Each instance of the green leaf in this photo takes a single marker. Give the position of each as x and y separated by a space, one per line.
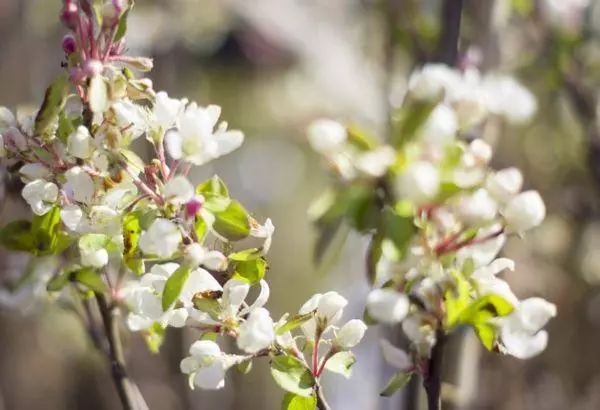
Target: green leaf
213 187
374 253
134 160
58 282
341 363
292 376
122 26
523 7
399 229
154 337
245 366
16 236
174 285
398 381
246 255
65 127
409 120
201 228
457 300
131 233
294 322
91 279
55 99
251 271
292 401
233 223
361 139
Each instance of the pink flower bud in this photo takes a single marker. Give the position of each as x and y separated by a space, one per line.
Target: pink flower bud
69 44
92 68
194 206
69 15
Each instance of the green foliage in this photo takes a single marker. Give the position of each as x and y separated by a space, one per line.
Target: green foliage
399 229
361 139
295 402
233 223
246 255
88 277
122 26
341 363
66 126
200 228
374 253
292 376
409 120
294 321
174 285
398 381
154 337
17 236
213 187
251 271
131 237
55 99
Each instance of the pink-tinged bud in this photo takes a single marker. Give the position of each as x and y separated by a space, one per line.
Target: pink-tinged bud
69 15
69 44
86 6
76 76
92 68
194 206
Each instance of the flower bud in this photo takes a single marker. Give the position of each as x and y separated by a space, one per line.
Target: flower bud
481 151
111 12
477 207
331 306
430 82
387 305
193 206
525 211
79 143
326 136
350 334
93 68
419 183
69 45
504 184
69 15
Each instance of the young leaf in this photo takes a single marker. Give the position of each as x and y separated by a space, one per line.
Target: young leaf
16 236
291 375
251 271
374 253
246 255
245 366
174 285
341 363
233 223
54 102
91 279
398 381
131 233
59 281
294 322
65 127
122 26
213 187
292 401
201 228
361 140
399 229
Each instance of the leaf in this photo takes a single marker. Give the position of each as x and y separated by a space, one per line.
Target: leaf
245 366
174 285
91 279
291 375
292 401
409 119
523 7
201 228
456 301
55 99
16 236
398 381
329 244
98 94
251 271
374 253
246 255
59 281
213 187
154 337
122 26
341 363
361 139
294 322
399 229
233 223
134 160
65 127
131 233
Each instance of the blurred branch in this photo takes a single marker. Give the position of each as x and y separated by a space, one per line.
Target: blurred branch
321 402
433 379
447 51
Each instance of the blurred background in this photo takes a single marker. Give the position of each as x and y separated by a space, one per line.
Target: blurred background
274 66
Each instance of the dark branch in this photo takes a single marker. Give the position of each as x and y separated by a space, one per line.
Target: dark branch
447 51
432 381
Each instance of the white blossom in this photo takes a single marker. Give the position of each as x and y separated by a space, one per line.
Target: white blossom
33 171
132 118
328 308
387 305
93 252
179 190
166 110
418 183
80 143
504 184
376 162
80 184
161 239
197 255
395 356
40 195
504 96
477 207
257 332
350 334
431 81
525 211
206 365
263 231
72 216
521 332
7 119
195 140
441 127
327 136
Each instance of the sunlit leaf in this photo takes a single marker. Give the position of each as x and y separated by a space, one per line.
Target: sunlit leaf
398 381
292 401
55 99
174 285
251 271
341 363
294 321
292 376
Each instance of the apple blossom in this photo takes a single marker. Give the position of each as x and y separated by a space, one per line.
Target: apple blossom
40 195
161 239
350 334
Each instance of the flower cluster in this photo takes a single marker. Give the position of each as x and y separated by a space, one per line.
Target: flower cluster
140 232
438 215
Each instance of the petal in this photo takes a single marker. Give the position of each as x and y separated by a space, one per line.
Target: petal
228 141
394 355
534 313
235 292
205 349
210 377
261 299
189 365
173 144
524 346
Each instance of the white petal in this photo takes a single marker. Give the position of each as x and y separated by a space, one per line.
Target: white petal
179 189
261 299
211 377
235 292
228 141
387 305
174 144
395 356
72 216
524 346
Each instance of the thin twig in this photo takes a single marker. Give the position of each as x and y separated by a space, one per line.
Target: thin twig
321 402
432 381
127 390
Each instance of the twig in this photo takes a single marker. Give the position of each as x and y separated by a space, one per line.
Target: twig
432 381
321 402
126 388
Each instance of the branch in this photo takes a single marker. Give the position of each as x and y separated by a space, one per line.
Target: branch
321 402
128 392
433 379
447 51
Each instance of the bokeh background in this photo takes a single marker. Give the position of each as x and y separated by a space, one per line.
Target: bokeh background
275 65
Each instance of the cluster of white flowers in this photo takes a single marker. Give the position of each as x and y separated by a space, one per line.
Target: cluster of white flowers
439 215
